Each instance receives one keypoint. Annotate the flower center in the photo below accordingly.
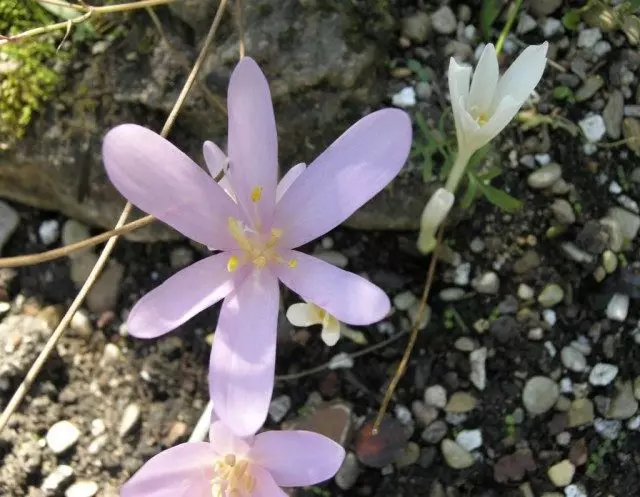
(232, 477)
(480, 117)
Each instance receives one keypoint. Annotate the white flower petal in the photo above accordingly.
(522, 76)
(506, 111)
(303, 315)
(484, 82)
(433, 214)
(330, 331)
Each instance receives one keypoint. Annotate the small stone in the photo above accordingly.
(57, 479)
(81, 324)
(563, 211)
(444, 21)
(525, 292)
(452, 294)
(578, 454)
(469, 439)
(48, 231)
(410, 455)
(526, 23)
(436, 395)
(405, 98)
(634, 423)
(545, 7)
(435, 432)
(551, 295)
(563, 438)
(82, 489)
(628, 221)
(424, 414)
(631, 132)
(424, 90)
(97, 444)
(9, 220)
(636, 387)
(177, 430)
(279, 407)
(601, 48)
(424, 316)
(341, 360)
(549, 316)
(609, 261)
(551, 27)
(98, 427)
(624, 405)
(509, 305)
(540, 394)
(561, 473)
(487, 283)
(618, 307)
(573, 359)
(130, 418)
(477, 245)
(587, 37)
(403, 301)
(333, 257)
(417, 27)
(461, 402)
(574, 491)
(455, 456)
(513, 467)
(602, 374)
(545, 176)
(180, 257)
(613, 114)
(608, 428)
(74, 232)
(110, 355)
(530, 260)
(593, 128)
(478, 374)
(504, 329)
(581, 413)
(461, 274)
(465, 344)
(62, 436)
(591, 85)
(347, 475)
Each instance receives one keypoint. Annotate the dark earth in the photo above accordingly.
(166, 378)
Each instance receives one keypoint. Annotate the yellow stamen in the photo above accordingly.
(482, 119)
(276, 233)
(232, 263)
(256, 194)
(293, 263)
(232, 477)
(260, 261)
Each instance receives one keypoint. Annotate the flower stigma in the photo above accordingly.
(232, 477)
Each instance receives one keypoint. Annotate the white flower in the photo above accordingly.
(307, 314)
(484, 105)
(433, 214)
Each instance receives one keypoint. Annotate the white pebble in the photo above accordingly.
(62, 436)
(341, 361)
(602, 374)
(436, 396)
(549, 316)
(469, 439)
(279, 407)
(49, 231)
(618, 307)
(525, 292)
(82, 489)
(573, 359)
(593, 127)
(405, 97)
(461, 274)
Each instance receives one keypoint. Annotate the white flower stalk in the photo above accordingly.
(433, 214)
(485, 104)
(308, 314)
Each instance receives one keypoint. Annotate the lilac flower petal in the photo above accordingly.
(223, 441)
(161, 180)
(181, 471)
(215, 158)
(265, 485)
(346, 175)
(253, 140)
(288, 179)
(297, 458)
(242, 367)
(183, 295)
(346, 296)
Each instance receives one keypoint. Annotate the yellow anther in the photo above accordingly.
(232, 263)
(256, 194)
(482, 119)
(293, 263)
(260, 261)
(276, 233)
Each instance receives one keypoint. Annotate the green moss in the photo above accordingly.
(28, 79)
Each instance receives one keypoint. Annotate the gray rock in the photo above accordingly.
(540, 394)
(455, 456)
(444, 20)
(526, 23)
(592, 84)
(347, 475)
(561, 473)
(9, 220)
(436, 395)
(618, 307)
(487, 283)
(608, 428)
(62, 436)
(603, 374)
(279, 407)
(417, 27)
(628, 221)
(461, 402)
(504, 328)
(632, 110)
(593, 128)
(130, 419)
(469, 439)
(424, 414)
(435, 432)
(57, 479)
(551, 27)
(551, 295)
(403, 301)
(545, 176)
(581, 413)
(545, 7)
(624, 405)
(180, 257)
(613, 114)
(573, 359)
(409, 456)
(563, 211)
(588, 37)
(478, 373)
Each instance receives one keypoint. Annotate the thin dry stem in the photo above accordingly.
(32, 374)
(402, 367)
(240, 22)
(88, 12)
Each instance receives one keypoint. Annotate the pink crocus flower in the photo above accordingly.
(231, 466)
(255, 223)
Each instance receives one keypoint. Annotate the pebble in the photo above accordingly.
(528, 261)
(461, 274)
(561, 473)
(62, 436)
(628, 222)
(540, 394)
(97, 427)
(477, 245)
(333, 257)
(601, 48)
(549, 316)
(563, 211)
(613, 114)
(436, 395)
(417, 27)
(424, 414)
(573, 252)
(545, 176)
(58, 478)
(636, 387)
(634, 423)
(461, 402)
(593, 128)
(48, 231)
(525, 292)
(581, 413)
(82, 489)
(609, 261)
(588, 37)
(618, 307)
(81, 324)
(409, 456)
(405, 98)
(469, 439)
(347, 475)
(465, 344)
(592, 84)
(435, 432)
(110, 354)
(551, 295)
(526, 23)
(279, 407)
(487, 283)
(573, 359)
(444, 21)
(455, 456)
(424, 90)
(563, 438)
(97, 444)
(624, 405)
(602, 374)
(180, 257)
(403, 301)
(130, 418)
(9, 220)
(451, 294)
(574, 490)
(478, 373)
(551, 27)
(608, 428)
(73, 232)
(425, 315)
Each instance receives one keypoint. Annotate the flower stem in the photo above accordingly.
(457, 171)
